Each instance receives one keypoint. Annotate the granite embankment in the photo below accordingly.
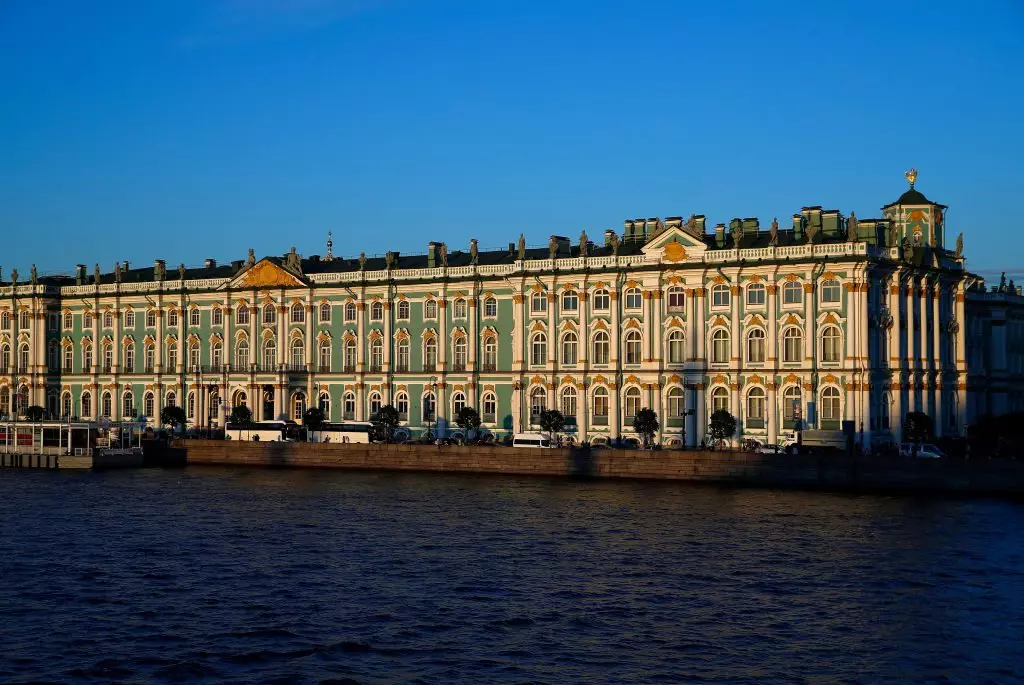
(832, 472)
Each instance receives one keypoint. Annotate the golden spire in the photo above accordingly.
(911, 176)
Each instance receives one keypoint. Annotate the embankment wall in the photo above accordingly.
(833, 472)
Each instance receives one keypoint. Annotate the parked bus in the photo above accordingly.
(347, 431)
(264, 431)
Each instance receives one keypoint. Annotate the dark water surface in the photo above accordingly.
(229, 575)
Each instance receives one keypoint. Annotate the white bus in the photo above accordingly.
(534, 440)
(345, 432)
(264, 431)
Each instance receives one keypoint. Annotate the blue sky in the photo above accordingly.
(185, 129)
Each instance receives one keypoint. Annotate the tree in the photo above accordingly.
(241, 415)
(468, 420)
(646, 424)
(386, 421)
(313, 418)
(34, 413)
(173, 417)
(917, 427)
(722, 427)
(552, 421)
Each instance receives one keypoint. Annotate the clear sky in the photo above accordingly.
(185, 129)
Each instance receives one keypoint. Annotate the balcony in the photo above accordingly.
(323, 368)
(601, 420)
(348, 368)
(402, 367)
(295, 368)
(489, 366)
(376, 368)
(458, 367)
(429, 368)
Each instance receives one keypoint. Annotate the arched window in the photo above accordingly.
(172, 399)
(324, 356)
(952, 413)
(298, 354)
(350, 312)
(538, 302)
(491, 307)
(429, 408)
(634, 299)
(490, 407)
(490, 353)
(129, 357)
(242, 355)
(86, 404)
(193, 355)
(350, 356)
(348, 405)
(193, 316)
(459, 353)
(377, 311)
(570, 301)
(568, 405)
(108, 357)
(374, 404)
(53, 355)
(86, 356)
(429, 354)
(600, 406)
(830, 404)
(676, 403)
(108, 320)
(269, 354)
(150, 319)
(216, 355)
(883, 410)
(5, 356)
(792, 345)
(676, 299)
(298, 406)
(5, 321)
(65, 405)
(430, 309)
(324, 314)
(190, 405)
(719, 399)
(128, 406)
(402, 405)
(631, 403)
(24, 356)
(791, 406)
(602, 300)
(376, 355)
(602, 348)
(676, 347)
(538, 349)
(403, 310)
(69, 358)
(242, 315)
(459, 308)
(755, 295)
(756, 346)
(633, 347)
(324, 403)
(831, 343)
(269, 313)
(172, 319)
(458, 403)
(402, 356)
(149, 353)
(830, 291)
(570, 346)
(298, 313)
(755, 407)
(538, 403)
(149, 405)
(792, 293)
(720, 295)
(720, 346)
(217, 317)
(21, 400)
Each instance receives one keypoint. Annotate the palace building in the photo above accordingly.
(826, 320)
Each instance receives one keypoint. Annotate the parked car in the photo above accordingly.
(921, 451)
(769, 449)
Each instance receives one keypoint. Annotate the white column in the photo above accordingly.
(552, 296)
(773, 328)
(692, 336)
(911, 356)
(361, 333)
(518, 333)
(961, 354)
(444, 364)
(772, 409)
(655, 329)
(473, 336)
(701, 325)
(691, 420)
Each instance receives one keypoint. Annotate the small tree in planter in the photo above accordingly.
(468, 420)
(241, 415)
(313, 418)
(386, 421)
(34, 413)
(173, 417)
(917, 427)
(552, 421)
(646, 424)
(722, 427)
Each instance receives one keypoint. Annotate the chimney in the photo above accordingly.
(432, 254)
(798, 227)
(210, 263)
(124, 265)
(512, 248)
(608, 237)
(236, 265)
(79, 274)
(720, 235)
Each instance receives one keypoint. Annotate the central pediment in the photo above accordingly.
(266, 274)
(674, 245)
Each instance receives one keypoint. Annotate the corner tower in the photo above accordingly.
(915, 218)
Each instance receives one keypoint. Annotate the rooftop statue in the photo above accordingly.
(181, 271)
(389, 259)
(614, 242)
(96, 275)
(522, 247)
(851, 227)
(584, 243)
(14, 276)
(252, 256)
(292, 262)
(444, 255)
(960, 245)
(33, 276)
(474, 251)
(691, 223)
(774, 232)
(553, 247)
(362, 261)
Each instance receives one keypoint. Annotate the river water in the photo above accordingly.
(248, 575)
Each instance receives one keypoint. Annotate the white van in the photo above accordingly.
(535, 440)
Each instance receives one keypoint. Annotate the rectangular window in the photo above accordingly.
(129, 319)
